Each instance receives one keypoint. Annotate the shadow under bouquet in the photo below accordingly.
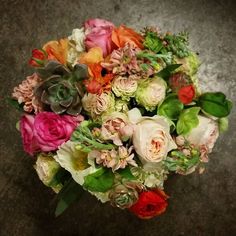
(113, 112)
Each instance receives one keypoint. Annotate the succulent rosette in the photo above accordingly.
(114, 112)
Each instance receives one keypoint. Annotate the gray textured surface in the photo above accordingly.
(199, 205)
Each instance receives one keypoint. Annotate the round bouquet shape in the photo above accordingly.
(113, 111)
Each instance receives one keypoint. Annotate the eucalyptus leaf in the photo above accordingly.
(215, 104)
(70, 192)
(188, 120)
(171, 107)
(100, 181)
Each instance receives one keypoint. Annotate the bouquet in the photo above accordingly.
(113, 112)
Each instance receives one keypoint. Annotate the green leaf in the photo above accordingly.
(166, 72)
(126, 174)
(188, 120)
(171, 107)
(223, 124)
(60, 177)
(14, 103)
(100, 181)
(70, 192)
(215, 104)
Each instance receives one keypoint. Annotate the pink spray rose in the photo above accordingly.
(98, 34)
(46, 131)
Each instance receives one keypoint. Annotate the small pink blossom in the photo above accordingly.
(115, 159)
(115, 127)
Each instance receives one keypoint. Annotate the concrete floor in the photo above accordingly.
(199, 205)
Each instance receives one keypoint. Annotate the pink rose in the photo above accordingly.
(99, 34)
(46, 131)
(26, 129)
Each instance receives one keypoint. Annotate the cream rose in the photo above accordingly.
(204, 135)
(151, 138)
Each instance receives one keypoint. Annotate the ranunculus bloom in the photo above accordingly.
(150, 93)
(150, 204)
(38, 57)
(186, 94)
(123, 35)
(57, 50)
(99, 34)
(46, 131)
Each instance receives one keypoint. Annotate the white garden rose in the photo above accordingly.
(151, 139)
(151, 92)
(205, 134)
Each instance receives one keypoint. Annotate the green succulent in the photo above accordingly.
(62, 91)
(124, 195)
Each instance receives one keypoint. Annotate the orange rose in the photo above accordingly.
(57, 50)
(123, 35)
(150, 204)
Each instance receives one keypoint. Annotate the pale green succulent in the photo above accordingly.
(190, 64)
(124, 195)
(150, 93)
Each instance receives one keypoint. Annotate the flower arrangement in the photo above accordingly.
(114, 112)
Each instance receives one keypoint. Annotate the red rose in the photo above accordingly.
(186, 94)
(38, 57)
(179, 80)
(150, 204)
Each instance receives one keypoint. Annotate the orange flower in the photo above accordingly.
(123, 35)
(98, 81)
(94, 55)
(57, 50)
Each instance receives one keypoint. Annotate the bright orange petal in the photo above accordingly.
(123, 35)
(57, 50)
(94, 55)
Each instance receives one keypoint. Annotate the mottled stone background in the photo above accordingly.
(199, 204)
